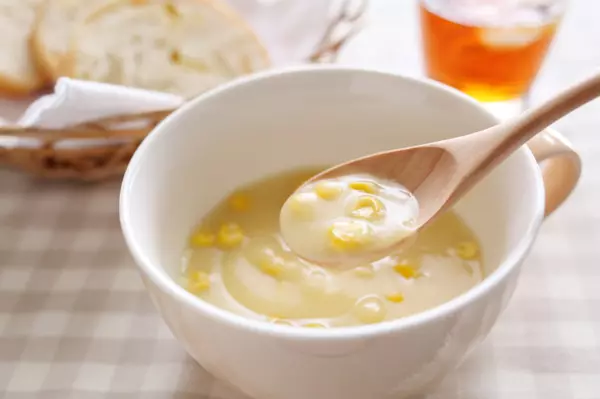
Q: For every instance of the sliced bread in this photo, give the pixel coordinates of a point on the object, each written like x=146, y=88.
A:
x=182, y=47
x=18, y=73
x=51, y=35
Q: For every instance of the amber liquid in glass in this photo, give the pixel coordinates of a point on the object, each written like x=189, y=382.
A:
x=492, y=63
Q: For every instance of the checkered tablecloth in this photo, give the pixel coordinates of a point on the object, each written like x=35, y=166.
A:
x=75, y=322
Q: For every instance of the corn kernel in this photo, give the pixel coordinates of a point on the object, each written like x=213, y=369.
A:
x=467, y=250
x=301, y=205
x=239, y=202
x=367, y=207
x=370, y=309
x=328, y=190
x=406, y=271
x=202, y=240
x=365, y=187
x=395, y=297
x=198, y=282
x=364, y=271
x=230, y=235
x=349, y=235
x=314, y=325
x=271, y=267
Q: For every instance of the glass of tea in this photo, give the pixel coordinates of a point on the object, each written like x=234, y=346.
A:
x=489, y=49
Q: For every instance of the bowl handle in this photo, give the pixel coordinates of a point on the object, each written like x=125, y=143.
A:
x=560, y=164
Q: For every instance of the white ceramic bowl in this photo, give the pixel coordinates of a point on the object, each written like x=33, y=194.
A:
x=281, y=120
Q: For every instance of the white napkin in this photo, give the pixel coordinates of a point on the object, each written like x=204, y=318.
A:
x=290, y=29
x=77, y=101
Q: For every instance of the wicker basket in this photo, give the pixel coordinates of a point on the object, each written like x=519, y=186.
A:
x=71, y=155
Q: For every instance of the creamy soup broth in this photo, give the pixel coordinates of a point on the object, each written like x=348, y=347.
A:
x=237, y=260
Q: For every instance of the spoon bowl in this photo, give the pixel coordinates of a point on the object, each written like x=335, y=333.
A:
x=426, y=171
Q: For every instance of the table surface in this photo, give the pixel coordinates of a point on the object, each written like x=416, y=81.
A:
x=75, y=321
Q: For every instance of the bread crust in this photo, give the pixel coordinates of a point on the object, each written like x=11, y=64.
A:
x=47, y=60
x=30, y=80
x=42, y=58
x=18, y=90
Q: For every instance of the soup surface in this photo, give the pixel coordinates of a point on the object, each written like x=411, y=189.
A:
x=237, y=260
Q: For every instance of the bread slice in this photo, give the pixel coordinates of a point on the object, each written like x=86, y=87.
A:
x=183, y=47
x=18, y=73
x=51, y=35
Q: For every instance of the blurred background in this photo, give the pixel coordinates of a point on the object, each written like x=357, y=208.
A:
x=71, y=302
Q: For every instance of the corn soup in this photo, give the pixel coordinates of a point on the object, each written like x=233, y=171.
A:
x=237, y=260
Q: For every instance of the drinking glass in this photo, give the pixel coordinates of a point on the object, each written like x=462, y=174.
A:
x=489, y=49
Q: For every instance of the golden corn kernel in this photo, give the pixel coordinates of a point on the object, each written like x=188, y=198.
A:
x=239, y=202
x=364, y=271
x=467, y=250
x=395, y=297
x=365, y=187
x=349, y=235
x=367, y=207
x=314, y=325
x=230, y=235
x=328, y=190
x=406, y=271
x=198, y=282
x=302, y=205
x=370, y=309
x=271, y=267
x=202, y=240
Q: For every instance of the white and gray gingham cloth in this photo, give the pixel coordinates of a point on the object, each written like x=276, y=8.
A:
x=76, y=323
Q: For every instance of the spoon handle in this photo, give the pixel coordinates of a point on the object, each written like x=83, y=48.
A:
x=516, y=132
x=487, y=148
x=484, y=150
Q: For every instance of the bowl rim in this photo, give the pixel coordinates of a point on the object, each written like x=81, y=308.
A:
x=168, y=286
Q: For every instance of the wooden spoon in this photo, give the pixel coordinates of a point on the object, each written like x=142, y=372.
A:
x=440, y=173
